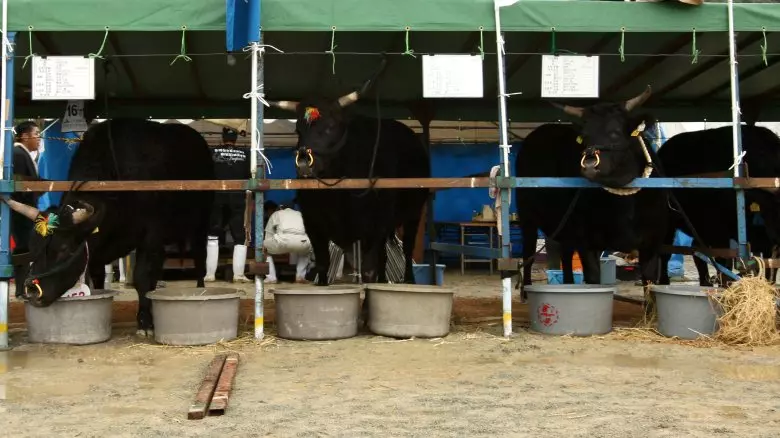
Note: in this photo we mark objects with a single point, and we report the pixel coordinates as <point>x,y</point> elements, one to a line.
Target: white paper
<point>452,76</point>
<point>570,76</point>
<point>74,120</point>
<point>63,78</point>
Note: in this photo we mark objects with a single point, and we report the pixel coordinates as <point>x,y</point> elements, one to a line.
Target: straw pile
<point>749,309</point>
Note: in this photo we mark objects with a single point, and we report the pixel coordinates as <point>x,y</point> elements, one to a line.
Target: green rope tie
<point>553,45</point>
<point>27,58</point>
<point>332,48</point>
<point>694,51</point>
<point>622,48</point>
<point>408,51</point>
<point>99,53</point>
<point>764,47</point>
<point>183,53</point>
<point>481,43</point>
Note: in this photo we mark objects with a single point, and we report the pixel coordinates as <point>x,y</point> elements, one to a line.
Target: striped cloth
<point>394,267</point>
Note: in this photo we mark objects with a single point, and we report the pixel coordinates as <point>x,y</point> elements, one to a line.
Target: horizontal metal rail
<point>383,183</point>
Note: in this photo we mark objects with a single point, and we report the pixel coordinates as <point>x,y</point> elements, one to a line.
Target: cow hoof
<point>148,333</point>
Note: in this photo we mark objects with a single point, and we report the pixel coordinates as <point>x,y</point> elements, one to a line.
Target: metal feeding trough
<point>316,312</point>
<point>74,321</point>
<point>409,310</point>
<point>686,311</point>
<point>570,309</point>
<point>195,316</point>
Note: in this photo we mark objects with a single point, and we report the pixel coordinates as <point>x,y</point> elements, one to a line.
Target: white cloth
<point>301,262</point>
<point>285,233</point>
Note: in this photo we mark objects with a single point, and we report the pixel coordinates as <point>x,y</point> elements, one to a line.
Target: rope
<point>259,94</point>
<point>7,44</point>
<point>648,166</point>
<point>764,47</point>
<point>481,43</point>
<point>622,48</point>
<point>99,53</point>
<point>27,58</point>
<point>248,218</point>
<point>694,51</point>
<point>183,53</point>
<point>408,51</point>
<point>333,47</point>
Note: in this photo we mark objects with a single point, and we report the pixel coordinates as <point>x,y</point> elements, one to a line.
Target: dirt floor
<point>473,382</point>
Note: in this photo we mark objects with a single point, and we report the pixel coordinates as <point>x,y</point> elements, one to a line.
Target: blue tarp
<point>54,162</point>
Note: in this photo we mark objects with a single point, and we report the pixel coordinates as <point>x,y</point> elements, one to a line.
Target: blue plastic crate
<point>422,273</point>
<point>555,276</point>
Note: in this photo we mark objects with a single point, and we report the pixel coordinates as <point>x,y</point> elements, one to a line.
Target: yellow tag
<point>579,139</point>
<point>635,133</point>
<point>95,231</point>
<point>755,208</point>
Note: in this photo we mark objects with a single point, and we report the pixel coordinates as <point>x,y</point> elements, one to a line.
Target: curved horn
<point>289,105</point>
<point>23,209</point>
<point>635,102</point>
<point>568,109</point>
<point>348,99</point>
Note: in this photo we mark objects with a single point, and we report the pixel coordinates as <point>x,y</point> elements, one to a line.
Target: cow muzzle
<point>33,291</point>
<point>590,159</point>
<point>304,162</point>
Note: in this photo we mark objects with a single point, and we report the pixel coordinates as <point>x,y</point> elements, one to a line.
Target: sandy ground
<point>471,383</point>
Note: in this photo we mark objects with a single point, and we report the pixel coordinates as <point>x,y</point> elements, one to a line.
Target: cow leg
<point>147,272</point>
<point>321,251</point>
<point>567,264</point>
<point>703,272</point>
<point>529,248</point>
<point>200,235</point>
<point>97,273</point>
<point>409,240</point>
<point>591,266</point>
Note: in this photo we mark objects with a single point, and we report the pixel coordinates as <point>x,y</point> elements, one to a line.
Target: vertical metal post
<point>506,279</point>
<point>258,171</point>
<point>736,134</point>
<point>6,173</point>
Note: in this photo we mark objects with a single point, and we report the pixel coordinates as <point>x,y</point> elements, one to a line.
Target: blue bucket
<point>422,273</point>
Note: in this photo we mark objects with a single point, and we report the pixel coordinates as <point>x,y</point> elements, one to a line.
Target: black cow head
<point>58,249</point>
<point>611,156</point>
<point>322,131</point>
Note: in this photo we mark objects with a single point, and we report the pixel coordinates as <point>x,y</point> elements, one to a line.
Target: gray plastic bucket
<point>685,311</point>
<point>317,312</point>
<point>195,316</point>
<point>409,310</point>
<point>570,309</point>
<point>75,321</point>
<point>608,271</point>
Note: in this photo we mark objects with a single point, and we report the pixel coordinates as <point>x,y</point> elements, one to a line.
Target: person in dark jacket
<point>27,141</point>
<point>230,162</point>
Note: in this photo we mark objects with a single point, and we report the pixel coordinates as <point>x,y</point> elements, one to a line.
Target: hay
<point>749,315</point>
<point>239,345</point>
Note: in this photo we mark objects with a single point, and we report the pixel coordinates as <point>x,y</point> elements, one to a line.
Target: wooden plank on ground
<point>225,384</point>
<point>206,391</point>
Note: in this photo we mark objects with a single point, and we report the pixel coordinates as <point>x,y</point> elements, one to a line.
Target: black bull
<point>335,144</point>
<point>96,228</point>
<point>605,147</point>
<point>599,220</point>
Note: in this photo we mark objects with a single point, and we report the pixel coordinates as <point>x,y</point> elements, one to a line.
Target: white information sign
<point>452,76</point>
<point>74,120</point>
<point>63,78</point>
<point>570,76</point>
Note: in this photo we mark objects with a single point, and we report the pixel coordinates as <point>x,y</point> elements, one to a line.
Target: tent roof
<point>390,15</point>
<point>657,45</point>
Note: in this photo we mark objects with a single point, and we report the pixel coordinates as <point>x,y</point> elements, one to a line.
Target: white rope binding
<point>645,174</point>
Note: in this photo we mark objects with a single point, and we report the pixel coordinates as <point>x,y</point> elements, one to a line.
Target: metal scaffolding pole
<point>6,174</point>
<point>506,279</point>
<point>736,134</point>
